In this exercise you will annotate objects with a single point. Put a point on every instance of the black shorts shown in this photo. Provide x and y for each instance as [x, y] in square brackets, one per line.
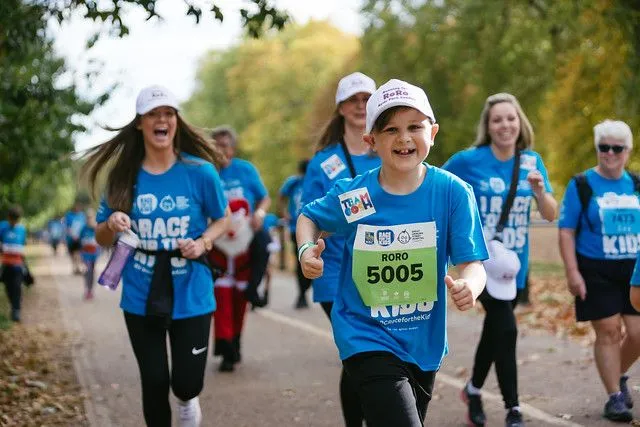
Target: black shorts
[607, 283]
[73, 246]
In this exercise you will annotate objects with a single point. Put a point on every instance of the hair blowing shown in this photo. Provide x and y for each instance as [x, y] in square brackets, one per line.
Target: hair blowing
[123, 154]
[526, 137]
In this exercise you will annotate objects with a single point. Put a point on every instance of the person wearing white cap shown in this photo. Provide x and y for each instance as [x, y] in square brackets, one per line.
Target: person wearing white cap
[403, 222]
[161, 183]
[598, 234]
[506, 175]
[340, 153]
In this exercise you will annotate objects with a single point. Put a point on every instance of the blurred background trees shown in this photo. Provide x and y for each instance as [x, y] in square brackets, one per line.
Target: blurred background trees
[570, 63]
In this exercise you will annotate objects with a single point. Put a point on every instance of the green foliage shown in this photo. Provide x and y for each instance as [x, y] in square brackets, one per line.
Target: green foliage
[571, 64]
[38, 115]
[258, 16]
[266, 88]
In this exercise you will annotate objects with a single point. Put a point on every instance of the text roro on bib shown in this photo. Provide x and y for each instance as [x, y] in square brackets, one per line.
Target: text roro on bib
[395, 264]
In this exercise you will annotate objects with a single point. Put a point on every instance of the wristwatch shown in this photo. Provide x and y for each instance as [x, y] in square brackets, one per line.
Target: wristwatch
[208, 244]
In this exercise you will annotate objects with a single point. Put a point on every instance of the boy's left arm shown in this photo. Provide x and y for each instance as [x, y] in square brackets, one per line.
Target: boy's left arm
[466, 289]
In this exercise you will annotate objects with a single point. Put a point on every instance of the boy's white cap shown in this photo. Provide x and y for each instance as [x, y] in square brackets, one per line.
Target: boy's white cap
[154, 96]
[352, 84]
[396, 93]
[502, 268]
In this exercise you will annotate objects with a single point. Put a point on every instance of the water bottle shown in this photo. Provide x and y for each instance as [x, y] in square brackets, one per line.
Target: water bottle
[124, 248]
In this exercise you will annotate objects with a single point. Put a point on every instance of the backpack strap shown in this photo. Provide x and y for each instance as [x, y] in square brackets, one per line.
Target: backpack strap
[347, 155]
[636, 181]
[584, 195]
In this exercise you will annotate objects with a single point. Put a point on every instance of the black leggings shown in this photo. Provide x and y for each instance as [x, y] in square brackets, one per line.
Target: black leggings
[393, 392]
[188, 340]
[349, 399]
[498, 345]
[13, 277]
[303, 283]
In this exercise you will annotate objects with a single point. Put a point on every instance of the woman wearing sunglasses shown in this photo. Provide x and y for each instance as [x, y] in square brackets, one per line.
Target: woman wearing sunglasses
[598, 233]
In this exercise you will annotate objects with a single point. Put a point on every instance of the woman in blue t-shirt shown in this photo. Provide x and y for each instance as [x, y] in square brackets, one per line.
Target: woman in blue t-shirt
[402, 224]
[89, 252]
[599, 242]
[290, 202]
[13, 238]
[504, 136]
[162, 184]
[340, 153]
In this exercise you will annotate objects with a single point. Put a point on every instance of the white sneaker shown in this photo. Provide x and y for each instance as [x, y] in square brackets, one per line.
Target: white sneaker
[189, 413]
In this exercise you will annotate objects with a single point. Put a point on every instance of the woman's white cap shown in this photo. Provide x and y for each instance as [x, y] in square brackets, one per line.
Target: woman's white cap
[502, 269]
[155, 96]
[395, 93]
[352, 84]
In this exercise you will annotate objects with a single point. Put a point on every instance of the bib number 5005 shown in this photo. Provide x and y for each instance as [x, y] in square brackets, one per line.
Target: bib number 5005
[389, 274]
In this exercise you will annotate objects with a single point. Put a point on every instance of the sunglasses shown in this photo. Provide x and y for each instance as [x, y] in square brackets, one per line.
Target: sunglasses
[605, 148]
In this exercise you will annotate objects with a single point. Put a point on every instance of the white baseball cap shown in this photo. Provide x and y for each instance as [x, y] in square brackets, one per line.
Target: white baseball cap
[155, 96]
[352, 84]
[395, 93]
[502, 267]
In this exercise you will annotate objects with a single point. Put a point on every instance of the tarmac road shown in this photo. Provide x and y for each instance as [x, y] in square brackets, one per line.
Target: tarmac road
[290, 369]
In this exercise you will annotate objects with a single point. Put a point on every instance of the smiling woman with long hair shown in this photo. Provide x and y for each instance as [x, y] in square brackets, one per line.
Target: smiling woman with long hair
[161, 183]
[502, 168]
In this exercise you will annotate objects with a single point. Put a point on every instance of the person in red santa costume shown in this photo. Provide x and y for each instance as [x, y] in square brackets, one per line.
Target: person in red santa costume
[241, 255]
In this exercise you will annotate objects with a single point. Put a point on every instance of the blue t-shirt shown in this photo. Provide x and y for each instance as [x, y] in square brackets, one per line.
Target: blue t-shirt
[635, 277]
[614, 214]
[491, 179]
[325, 168]
[13, 241]
[173, 205]
[55, 229]
[89, 248]
[292, 189]
[74, 222]
[4, 224]
[270, 221]
[241, 180]
[416, 333]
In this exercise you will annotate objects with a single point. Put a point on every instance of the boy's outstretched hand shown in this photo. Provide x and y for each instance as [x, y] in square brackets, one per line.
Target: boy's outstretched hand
[460, 293]
[311, 262]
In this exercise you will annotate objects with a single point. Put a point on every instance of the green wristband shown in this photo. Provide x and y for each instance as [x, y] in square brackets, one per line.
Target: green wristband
[304, 247]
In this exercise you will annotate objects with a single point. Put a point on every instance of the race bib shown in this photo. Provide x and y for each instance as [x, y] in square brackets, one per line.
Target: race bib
[395, 264]
[620, 214]
[620, 221]
[332, 166]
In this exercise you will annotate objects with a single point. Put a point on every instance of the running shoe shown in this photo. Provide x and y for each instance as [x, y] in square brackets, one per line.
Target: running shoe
[475, 413]
[189, 413]
[226, 366]
[616, 410]
[514, 418]
[625, 391]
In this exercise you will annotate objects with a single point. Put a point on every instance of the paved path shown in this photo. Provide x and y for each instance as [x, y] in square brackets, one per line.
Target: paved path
[290, 370]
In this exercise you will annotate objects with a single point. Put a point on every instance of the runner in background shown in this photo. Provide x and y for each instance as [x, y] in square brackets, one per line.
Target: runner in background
[55, 231]
[290, 203]
[89, 252]
[389, 316]
[599, 246]
[340, 153]
[13, 239]
[163, 185]
[504, 137]
[246, 193]
[74, 220]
